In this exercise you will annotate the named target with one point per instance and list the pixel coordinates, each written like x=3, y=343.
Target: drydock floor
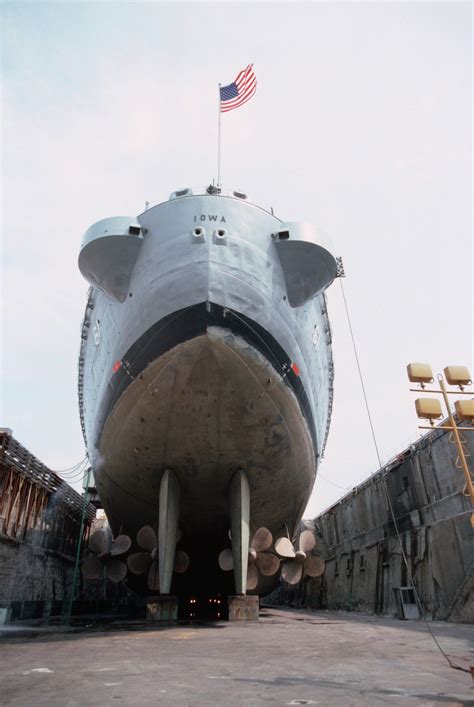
x=288, y=658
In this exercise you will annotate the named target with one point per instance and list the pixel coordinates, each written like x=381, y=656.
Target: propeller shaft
x=240, y=522
x=168, y=528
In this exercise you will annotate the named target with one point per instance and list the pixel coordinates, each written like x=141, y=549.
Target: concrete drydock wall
x=33, y=581
x=40, y=525
x=41, y=521
x=357, y=538
x=37, y=583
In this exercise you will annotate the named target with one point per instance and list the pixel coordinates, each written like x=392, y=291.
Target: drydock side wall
x=363, y=558
x=40, y=524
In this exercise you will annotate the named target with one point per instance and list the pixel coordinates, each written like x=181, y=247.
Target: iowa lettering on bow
x=210, y=217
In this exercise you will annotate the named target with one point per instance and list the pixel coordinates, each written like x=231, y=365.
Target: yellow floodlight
x=420, y=373
x=465, y=410
x=457, y=375
x=428, y=408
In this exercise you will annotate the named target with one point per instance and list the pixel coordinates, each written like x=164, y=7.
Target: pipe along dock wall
x=357, y=538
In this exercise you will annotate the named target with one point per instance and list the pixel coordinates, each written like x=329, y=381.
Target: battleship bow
x=205, y=382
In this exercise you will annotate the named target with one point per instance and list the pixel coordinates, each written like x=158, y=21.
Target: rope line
x=70, y=469
x=77, y=477
x=389, y=502
x=74, y=476
x=344, y=488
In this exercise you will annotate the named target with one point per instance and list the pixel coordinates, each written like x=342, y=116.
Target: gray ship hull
x=196, y=360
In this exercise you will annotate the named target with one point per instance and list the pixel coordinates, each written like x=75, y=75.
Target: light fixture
x=428, y=408
x=458, y=375
x=420, y=373
x=465, y=410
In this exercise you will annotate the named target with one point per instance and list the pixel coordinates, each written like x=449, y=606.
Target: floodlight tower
x=430, y=409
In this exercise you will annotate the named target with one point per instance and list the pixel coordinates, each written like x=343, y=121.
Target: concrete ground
x=288, y=658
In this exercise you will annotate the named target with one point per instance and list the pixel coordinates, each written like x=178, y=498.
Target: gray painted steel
x=108, y=255
x=214, y=403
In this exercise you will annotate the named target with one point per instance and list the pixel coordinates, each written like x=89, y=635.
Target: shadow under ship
x=205, y=387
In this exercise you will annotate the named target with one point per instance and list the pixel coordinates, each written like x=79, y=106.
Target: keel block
x=243, y=608
x=162, y=609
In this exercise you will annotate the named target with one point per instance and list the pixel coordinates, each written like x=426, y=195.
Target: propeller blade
x=252, y=577
x=262, y=539
x=284, y=547
x=153, y=579
x=98, y=543
x=116, y=570
x=181, y=562
x=139, y=562
x=314, y=566
x=307, y=541
x=292, y=572
x=146, y=538
x=268, y=564
x=92, y=567
x=121, y=545
x=252, y=554
x=226, y=560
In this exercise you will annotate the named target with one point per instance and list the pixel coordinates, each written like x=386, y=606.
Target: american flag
x=239, y=91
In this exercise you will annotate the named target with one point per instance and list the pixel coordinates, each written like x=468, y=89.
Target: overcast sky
x=361, y=124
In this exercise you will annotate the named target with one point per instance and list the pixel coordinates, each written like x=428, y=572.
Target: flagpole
x=219, y=142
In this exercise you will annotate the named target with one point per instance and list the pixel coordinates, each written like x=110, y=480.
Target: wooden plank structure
x=37, y=506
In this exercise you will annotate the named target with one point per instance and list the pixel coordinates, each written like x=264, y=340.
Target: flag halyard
x=239, y=91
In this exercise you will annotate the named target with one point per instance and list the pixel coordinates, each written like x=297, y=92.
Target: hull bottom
x=206, y=408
